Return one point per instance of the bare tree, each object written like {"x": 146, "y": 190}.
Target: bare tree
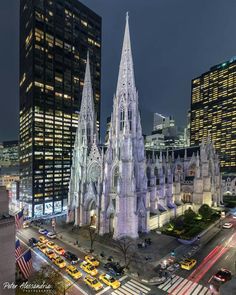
{"x": 126, "y": 246}
{"x": 92, "y": 235}
{"x": 48, "y": 277}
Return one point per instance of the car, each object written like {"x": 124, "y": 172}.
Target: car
{"x": 93, "y": 283}
{"x": 214, "y": 286}
{"x": 42, "y": 247}
{"x": 234, "y": 216}
{"x": 89, "y": 268}
{"x": 71, "y": 257}
{"x": 51, "y": 235}
{"x": 73, "y": 272}
{"x": 42, "y": 239}
{"x": 114, "y": 268}
{"x": 51, "y": 245}
{"x": 59, "y": 261}
{"x": 223, "y": 275}
{"x": 90, "y": 259}
{"x": 43, "y": 231}
{"x": 59, "y": 250}
{"x": 188, "y": 263}
{"x": 33, "y": 242}
{"x": 109, "y": 281}
{"x": 227, "y": 225}
{"x": 50, "y": 253}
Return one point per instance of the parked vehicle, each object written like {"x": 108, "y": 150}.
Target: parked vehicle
{"x": 33, "y": 242}
{"x": 43, "y": 231}
{"x": 51, "y": 235}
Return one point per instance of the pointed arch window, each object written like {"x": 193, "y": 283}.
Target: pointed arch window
{"x": 115, "y": 177}
{"x": 88, "y": 134}
{"x": 130, "y": 118}
{"x": 122, "y": 119}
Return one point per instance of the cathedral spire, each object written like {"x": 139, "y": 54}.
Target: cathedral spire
{"x": 87, "y": 124}
{"x": 126, "y": 71}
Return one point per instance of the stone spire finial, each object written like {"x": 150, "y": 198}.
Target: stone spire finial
{"x": 126, "y": 71}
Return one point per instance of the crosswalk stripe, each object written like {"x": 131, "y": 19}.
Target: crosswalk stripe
{"x": 164, "y": 284}
{"x": 137, "y": 287}
{"x": 194, "y": 285}
{"x": 119, "y": 292}
{"x": 176, "y": 284}
{"x": 130, "y": 290}
{"x": 185, "y": 288}
{"x": 141, "y": 285}
{"x": 179, "y": 287}
{"x": 205, "y": 290}
{"x": 196, "y": 291}
{"x": 170, "y": 283}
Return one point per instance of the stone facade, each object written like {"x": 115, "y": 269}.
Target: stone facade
{"x": 229, "y": 186}
{"x": 117, "y": 188}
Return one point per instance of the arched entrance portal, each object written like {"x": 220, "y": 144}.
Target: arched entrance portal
{"x": 111, "y": 223}
{"x": 187, "y": 197}
{"x": 92, "y": 214}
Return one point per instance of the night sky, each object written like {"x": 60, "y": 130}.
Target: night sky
{"x": 173, "y": 41}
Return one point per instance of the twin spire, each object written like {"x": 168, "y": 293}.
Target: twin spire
{"x": 126, "y": 71}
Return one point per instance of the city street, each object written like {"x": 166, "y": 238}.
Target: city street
{"x": 129, "y": 286}
{"x": 218, "y": 253}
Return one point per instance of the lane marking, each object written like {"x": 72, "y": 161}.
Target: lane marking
{"x": 141, "y": 285}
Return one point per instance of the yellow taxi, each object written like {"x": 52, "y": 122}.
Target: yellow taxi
{"x": 109, "y": 281}
{"x": 51, "y": 245}
{"x": 90, "y": 259}
{"x": 59, "y": 250}
{"x": 93, "y": 283}
{"x": 42, "y": 239}
{"x": 89, "y": 268}
{"x": 73, "y": 272}
{"x": 188, "y": 263}
{"x": 50, "y": 254}
{"x": 42, "y": 247}
{"x": 59, "y": 261}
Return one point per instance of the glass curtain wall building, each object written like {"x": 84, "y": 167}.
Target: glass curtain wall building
{"x": 213, "y": 111}
{"x": 54, "y": 39}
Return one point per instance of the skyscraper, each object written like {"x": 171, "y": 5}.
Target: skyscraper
{"x": 213, "y": 111}
{"x": 54, "y": 39}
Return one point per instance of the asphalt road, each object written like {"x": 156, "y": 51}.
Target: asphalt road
{"x": 129, "y": 286}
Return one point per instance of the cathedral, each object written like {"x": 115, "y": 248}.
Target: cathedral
{"x": 121, "y": 187}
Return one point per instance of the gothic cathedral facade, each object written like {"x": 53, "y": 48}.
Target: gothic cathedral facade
{"x": 115, "y": 188}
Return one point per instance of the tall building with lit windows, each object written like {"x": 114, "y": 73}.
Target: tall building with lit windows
{"x": 213, "y": 111}
{"x": 54, "y": 39}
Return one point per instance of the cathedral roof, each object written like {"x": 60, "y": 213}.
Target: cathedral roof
{"x": 177, "y": 152}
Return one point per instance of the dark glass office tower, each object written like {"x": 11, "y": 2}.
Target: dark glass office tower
{"x": 213, "y": 111}
{"x": 54, "y": 38}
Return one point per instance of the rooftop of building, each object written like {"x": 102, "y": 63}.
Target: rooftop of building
{"x": 218, "y": 66}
